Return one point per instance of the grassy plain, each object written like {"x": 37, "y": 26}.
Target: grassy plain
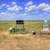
{"x": 28, "y": 24}
{"x": 30, "y": 42}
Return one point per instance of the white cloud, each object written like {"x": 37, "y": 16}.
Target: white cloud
{"x": 42, "y": 6}
{"x": 13, "y": 3}
{"x": 15, "y": 8}
{"x": 29, "y": 3}
{"x": 7, "y": 5}
{"x": 30, "y": 8}
{"x": 47, "y": 9}
{"x": 24, "y": 14}
{"x": 7, "y": 16}
{"x": 2, "y": 13}
{"x": 3, "y": 5}
{"x": 11, "y": 7}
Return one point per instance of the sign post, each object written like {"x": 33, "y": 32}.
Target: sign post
{"x": 20, "y": 24}
{"x": 45, "y": 26}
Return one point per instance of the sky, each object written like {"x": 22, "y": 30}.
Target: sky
{"x": 24, "y": 9}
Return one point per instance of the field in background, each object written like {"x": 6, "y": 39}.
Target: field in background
{"x": 28, "y": 24}
{"x": 31, "y": 42}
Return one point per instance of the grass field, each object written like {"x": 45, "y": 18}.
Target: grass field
{"x": 28, "y": 24}
{"x": 29, "y": 42}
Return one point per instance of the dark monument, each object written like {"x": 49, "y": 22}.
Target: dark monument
{"x": 19, "y": 22}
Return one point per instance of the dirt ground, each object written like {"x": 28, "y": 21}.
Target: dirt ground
{"x": 31, "y": 42}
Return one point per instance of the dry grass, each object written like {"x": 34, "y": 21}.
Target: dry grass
{"x": 26, "y": 42}
{"x": 31, "y": 42}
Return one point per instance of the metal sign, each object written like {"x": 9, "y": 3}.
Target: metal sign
{"x": 19, "y": 22}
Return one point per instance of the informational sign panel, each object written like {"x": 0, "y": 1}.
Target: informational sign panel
{"x": 19, "y": 22}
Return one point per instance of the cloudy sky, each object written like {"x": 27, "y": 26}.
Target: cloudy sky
{"x": 24, "y": 9}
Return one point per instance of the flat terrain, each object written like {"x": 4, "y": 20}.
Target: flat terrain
{"x": 28, "y": 24}
{"x": 30, "y": 42}
{"x": 23, "y": 42}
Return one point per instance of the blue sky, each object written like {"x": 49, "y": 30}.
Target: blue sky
{"x": 24, "y": 9}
